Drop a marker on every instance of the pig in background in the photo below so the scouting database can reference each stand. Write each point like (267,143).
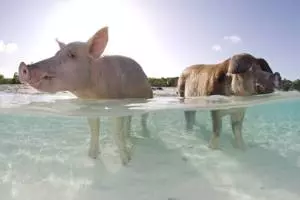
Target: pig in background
(241,75)
(80,68)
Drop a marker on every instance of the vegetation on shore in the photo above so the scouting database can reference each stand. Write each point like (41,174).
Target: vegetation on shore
(166,82)
(287,85)
(163,82)
(14,80)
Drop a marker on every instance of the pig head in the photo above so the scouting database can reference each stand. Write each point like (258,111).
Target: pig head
(253,74)
(69,69)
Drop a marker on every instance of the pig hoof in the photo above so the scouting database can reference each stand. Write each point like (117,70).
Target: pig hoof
(234,144)
(214,143)
(239,145)
(242,147)
(125,157)
(189,127)
(93,153)
(146,133)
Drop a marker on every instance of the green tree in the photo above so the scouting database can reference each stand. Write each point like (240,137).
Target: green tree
(2,79)
(286,85)
(163,82)
(15,79)
(296,84)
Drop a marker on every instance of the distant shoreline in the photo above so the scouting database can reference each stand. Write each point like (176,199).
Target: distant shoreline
(156,83)
(163,82)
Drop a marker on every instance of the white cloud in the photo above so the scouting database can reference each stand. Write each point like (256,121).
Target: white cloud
(233,38)
(8,48)
(11,47)
(216,47)
(2,46)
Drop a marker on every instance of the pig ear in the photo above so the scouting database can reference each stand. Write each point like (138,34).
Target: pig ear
(60,44)
(240,63)
(264,65)
(97,43)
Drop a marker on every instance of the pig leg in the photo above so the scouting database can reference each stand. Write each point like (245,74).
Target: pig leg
(127,126)
(236,124)
(120,140)
(145,129)
(94,124)
(189,119)
(217,126)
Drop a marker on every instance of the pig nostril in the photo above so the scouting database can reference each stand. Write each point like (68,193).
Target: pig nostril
(24,71)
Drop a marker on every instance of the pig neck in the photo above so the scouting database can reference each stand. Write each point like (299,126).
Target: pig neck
(96,86)
(228,91)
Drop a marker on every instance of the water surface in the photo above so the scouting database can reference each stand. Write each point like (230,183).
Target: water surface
(45,138)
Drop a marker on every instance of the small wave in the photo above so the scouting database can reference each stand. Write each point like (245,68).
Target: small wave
(65,103)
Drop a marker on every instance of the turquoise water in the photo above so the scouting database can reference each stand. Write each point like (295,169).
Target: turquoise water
(45,138)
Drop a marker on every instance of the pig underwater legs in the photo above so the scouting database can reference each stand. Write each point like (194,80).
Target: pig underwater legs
(189,119)
(121,132)
(94,124)
(237,117)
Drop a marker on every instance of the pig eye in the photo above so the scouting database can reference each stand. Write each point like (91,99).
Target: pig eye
(71,54)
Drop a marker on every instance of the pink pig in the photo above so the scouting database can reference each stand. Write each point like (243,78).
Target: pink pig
(80,68)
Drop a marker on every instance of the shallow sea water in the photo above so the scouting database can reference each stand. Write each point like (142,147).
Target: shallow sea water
(44,142)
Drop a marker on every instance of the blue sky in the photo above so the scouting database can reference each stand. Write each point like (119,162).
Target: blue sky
(163,36)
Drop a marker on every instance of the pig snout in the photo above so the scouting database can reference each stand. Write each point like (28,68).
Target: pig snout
(24,75)
(277,80)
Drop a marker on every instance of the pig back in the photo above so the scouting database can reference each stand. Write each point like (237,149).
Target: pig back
(205,79)
(118,76)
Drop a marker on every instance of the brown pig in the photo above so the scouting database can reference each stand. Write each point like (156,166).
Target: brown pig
(80,68)
(240,75)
